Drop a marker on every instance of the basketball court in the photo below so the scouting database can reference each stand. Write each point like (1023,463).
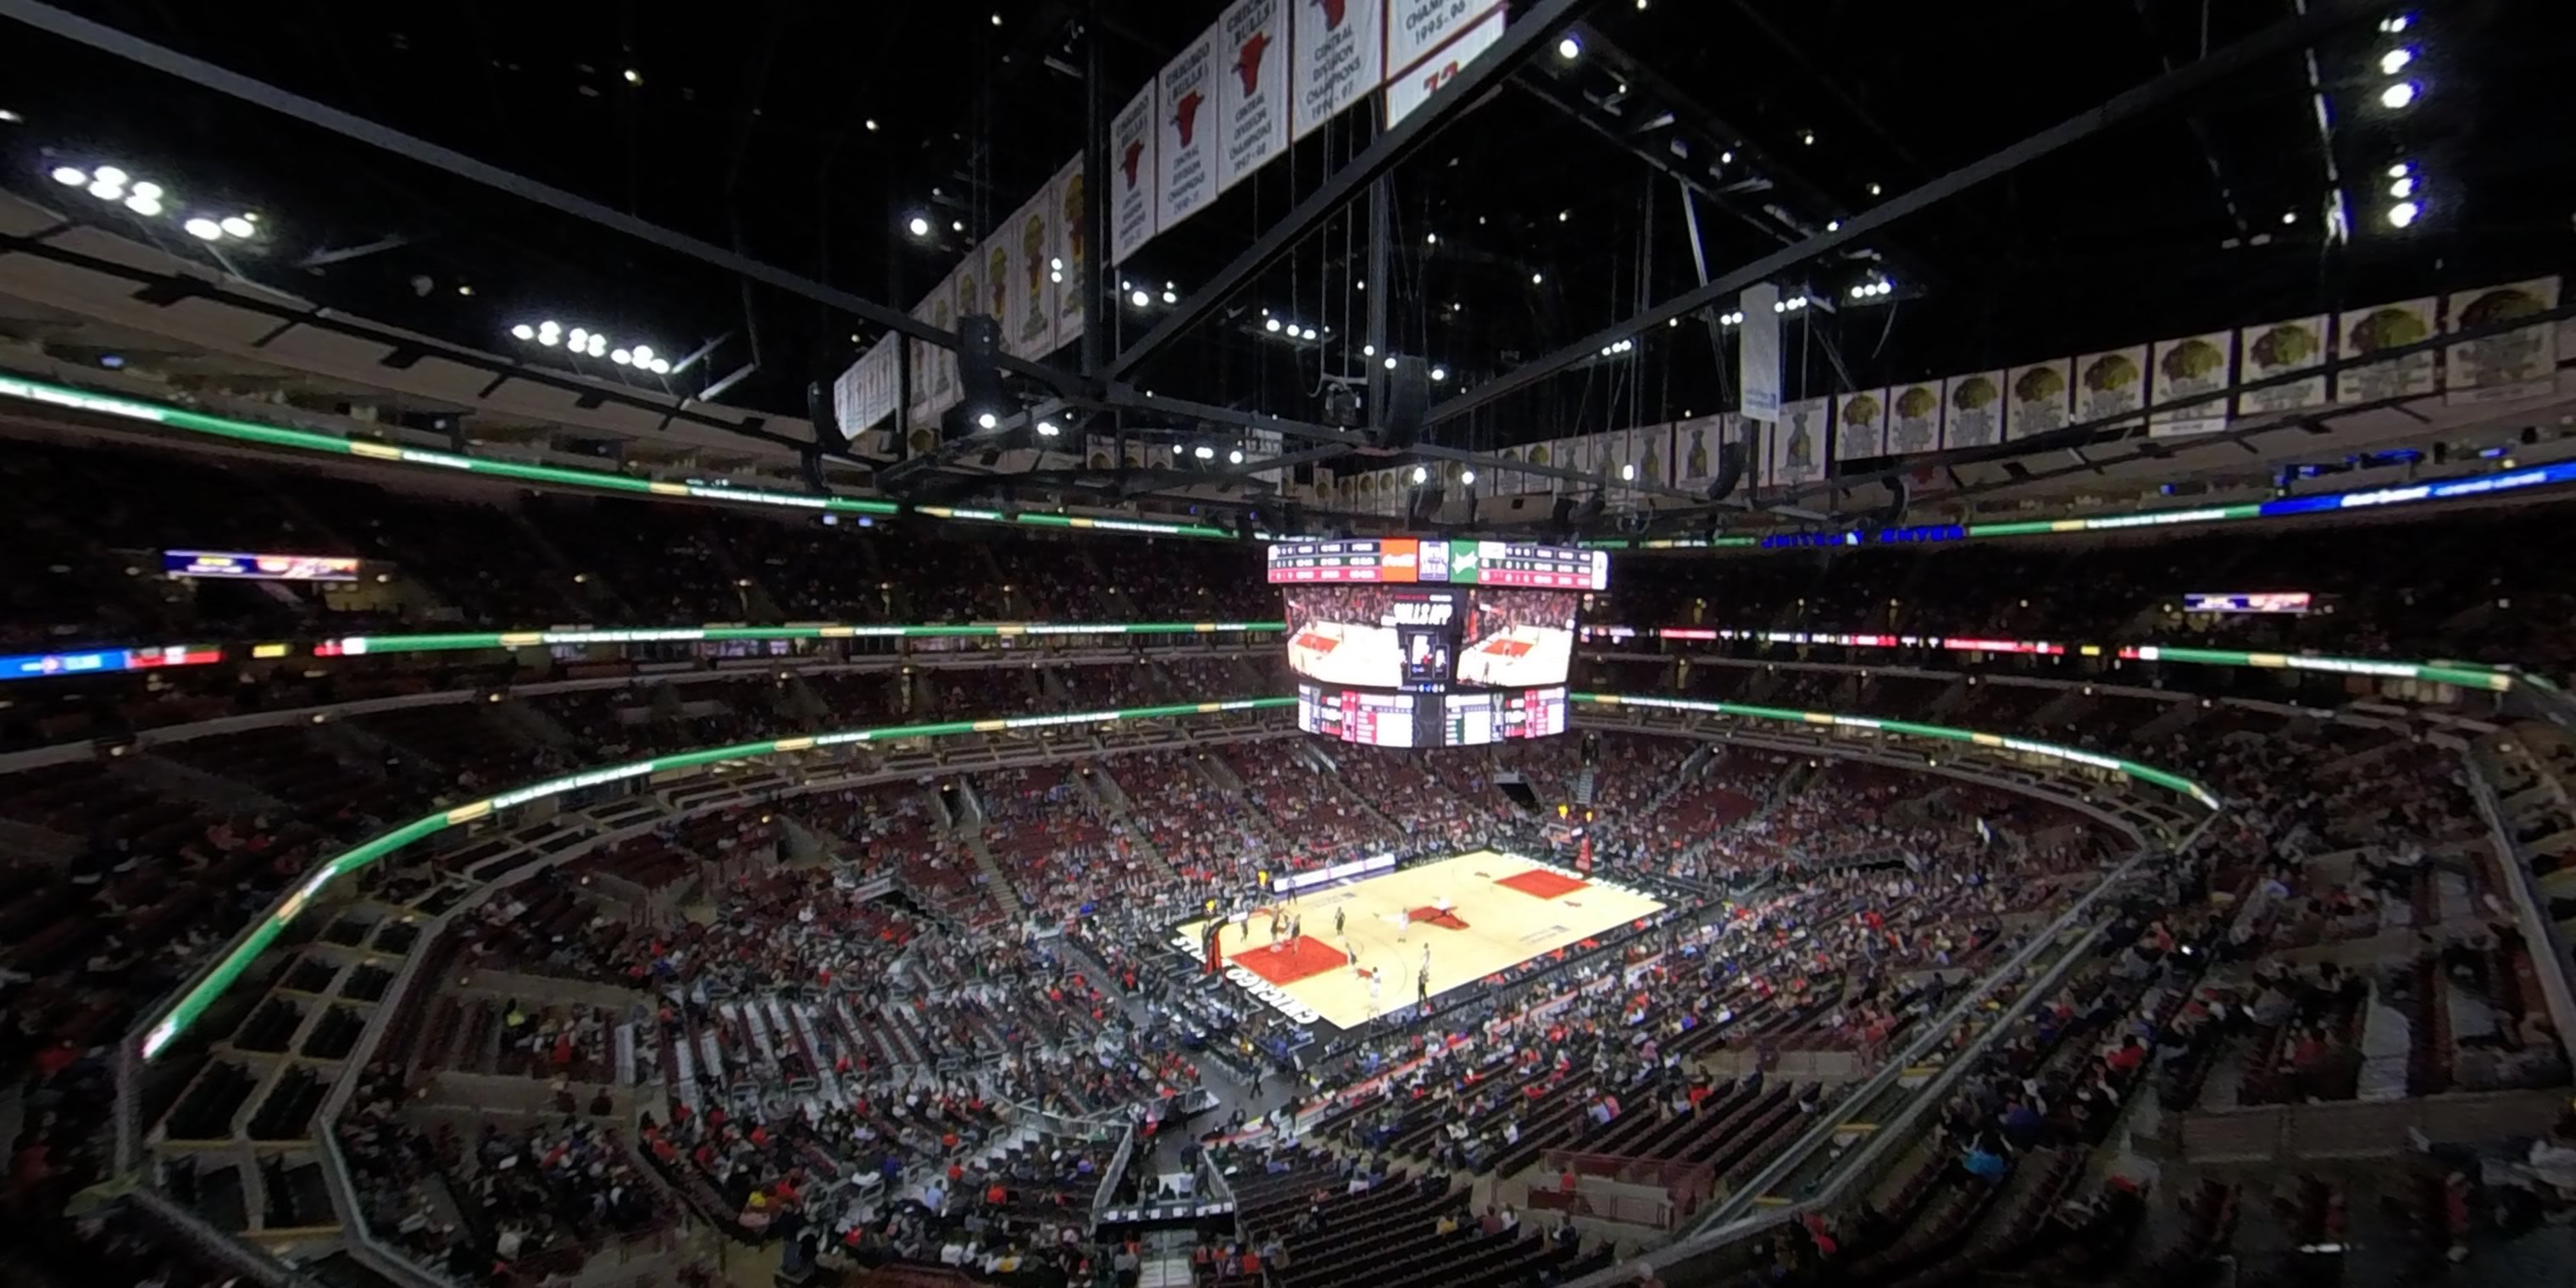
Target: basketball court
(1501,910)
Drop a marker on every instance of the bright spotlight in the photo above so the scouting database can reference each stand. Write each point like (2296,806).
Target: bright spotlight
(918,227)
(1203,452)
(987,421)
(1056,263)
(147,207)
(2403,187)
(1467,476)
(1234,456)
(643,353)
(550,325)
(204,229)
(661,366)
(1627,473)
(238,226)
(1439,374)
(1311,334)
(1536,278)
(1390,362)
(581,337)
(2398,95)
(1171,297)
(1048,429)
(2395,60)
(549,339)
(109,174)
(1569,49)
(2401,169)
(148,191)
(1271,325)
(623,358)
(2403,214)
(105,191)
(1140,299)
(1421,475)
(1368,351)
(71,176)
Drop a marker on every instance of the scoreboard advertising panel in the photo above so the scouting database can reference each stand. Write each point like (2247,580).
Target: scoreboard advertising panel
(1402,560)
(1378,719)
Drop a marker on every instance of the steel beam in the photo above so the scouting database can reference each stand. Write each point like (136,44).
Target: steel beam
(106,39)
(2120,109)
(1533,30)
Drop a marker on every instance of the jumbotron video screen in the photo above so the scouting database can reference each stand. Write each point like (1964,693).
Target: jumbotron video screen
(1432,643)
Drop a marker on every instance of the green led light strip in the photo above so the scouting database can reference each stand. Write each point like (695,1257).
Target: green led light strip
(2467,675)
(370,645)
(2144,773)
(221,975)
(197,422)
(211,985)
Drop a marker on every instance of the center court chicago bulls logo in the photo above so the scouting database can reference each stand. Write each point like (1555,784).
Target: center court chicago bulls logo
(1185,116)
(1247,64)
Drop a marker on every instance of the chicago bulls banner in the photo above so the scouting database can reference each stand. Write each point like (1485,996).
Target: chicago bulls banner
(1132,208)
(1028,316)
(1187,158)
(1253,36)
(1341,56)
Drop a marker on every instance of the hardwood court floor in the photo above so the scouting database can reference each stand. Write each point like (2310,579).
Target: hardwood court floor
(1491,926)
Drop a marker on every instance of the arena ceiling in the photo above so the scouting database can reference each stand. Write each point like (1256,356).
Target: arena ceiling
(1535,215)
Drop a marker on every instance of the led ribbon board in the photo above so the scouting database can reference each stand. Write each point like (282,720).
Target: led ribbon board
(370,645)
(2454,489)
(298,440)
(2171,782)
(212,983)
(2467,675)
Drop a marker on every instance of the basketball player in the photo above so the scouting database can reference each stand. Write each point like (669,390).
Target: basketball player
(1337,924)
(1422,982)
(1403,923)
(1374,1006)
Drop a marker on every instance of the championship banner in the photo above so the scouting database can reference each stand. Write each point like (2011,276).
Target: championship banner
(1651,448)
(2522,363)
(1340,58)
(1972,409)
(2042,398)
(1415,29)
(1131,153)
(1412,87)
(1028,321)
(2366,331)
(2111,384)
(1914,419)
(865,394)
(1253,98)
(1757,352)
(1186,130)
(1068,252)
(1544,454)
(1861,426)
(1695,450)
(1799,441)
(2197,364)
(2278,350)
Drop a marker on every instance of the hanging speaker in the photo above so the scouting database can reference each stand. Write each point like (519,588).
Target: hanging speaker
(825,417)
(979,364)
(1730,470)
(1408,403)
